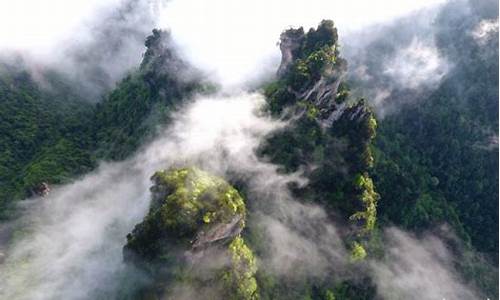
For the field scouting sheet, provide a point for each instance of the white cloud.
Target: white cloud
(234, 39)
(484, 30)
(69, 244)
(418, 64)
(29, 24)
(417, 269)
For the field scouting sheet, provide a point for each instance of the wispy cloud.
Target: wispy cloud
(418, 269)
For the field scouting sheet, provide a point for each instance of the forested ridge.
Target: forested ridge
(50, 134)
(45, 134)
(442, 149)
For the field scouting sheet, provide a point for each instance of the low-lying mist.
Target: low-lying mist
(405, 59)
(68, 245)
(93, 44)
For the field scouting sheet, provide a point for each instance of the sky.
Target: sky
(232, 39)
(238, 35)
(30, 24)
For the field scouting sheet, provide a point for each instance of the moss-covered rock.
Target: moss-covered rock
(368, 198)
(191, 237)
(330, 133)
(241, 276)
(188, 205)
(358, 252)
(196, 196)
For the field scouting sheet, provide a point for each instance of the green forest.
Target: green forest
(428, 167)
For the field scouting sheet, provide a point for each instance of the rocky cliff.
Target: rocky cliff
(190, 239)
(329, 132)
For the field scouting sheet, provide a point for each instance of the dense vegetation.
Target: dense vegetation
(194, 219)
(129, 115)
(48, 134)
(442, 150)
(44, 133)
(431, 161)
(436, 151)
(329, 138)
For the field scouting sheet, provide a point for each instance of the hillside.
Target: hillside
(45, 134)
(50, 135)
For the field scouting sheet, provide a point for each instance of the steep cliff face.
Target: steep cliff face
(161, 62)
(313, 70)
(190, 240)
(128, 116)
(328, 139)
(290, 46)
(329, 136)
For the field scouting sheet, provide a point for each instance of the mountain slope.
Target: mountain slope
(430, 163)
(436, 151)
(442, 147)
(328, 139)
(329, 135)
(129, 115)
(44, 134)
(50, 135)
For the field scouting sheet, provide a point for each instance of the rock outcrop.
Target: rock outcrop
(160, 56)
(290, 46)
(329, 133)
(191, 237)
(41, 190)
(311, 64)
(162, 63)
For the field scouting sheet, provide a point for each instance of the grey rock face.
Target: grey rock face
(290, 43)
(322, 92)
